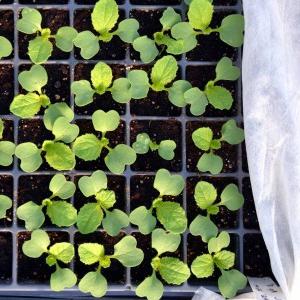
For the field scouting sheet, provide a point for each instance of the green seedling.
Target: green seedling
(5, 47)
(91, 215)
(170, 214)
(125, 251)
(89, 147)
(172, 270)
(39, 245)
(40, 48)
(143, 144)
(60, 212)
(5, 204)
(203, 139)
(7, 148)
(104, 18)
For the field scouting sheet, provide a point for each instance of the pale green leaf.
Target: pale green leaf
(62, 188)
(231, 197)
(106, 198)
(205, 194)
(166, 149)
(142, 143)
(224, 259)
(202, 138)
(121, 90)
(88, 44)
(94, 283)
(143, 218)
(37, 245)
(2, 127)
(5, 47)
(176, 92)
(197, 99)
(210, 162)
(62, 213)
(65, 37)
(30, 22)
(83, 91)
(5, 204)
(128, 30)
(26, 106)
(7, 150)
(226, 71)
(139, 84)
(200, 14)
(64, 131)
(62, 251)
(163, 241)
(105, 121)
(101, 76)
(89, 218)
(34, 79)
(219, 97)
(182, 30)
(231, 133)
(151, 288)
(204, 227)
(87, 147)
(169, 18)
(114, 221)
(62, 278)
(216, 244)
(90, 253)
(31, 214)
(91, 185)
(203, 266)
(39, 50)
(146, 47)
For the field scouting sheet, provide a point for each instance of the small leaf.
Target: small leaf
(65, 37)
(5, 48)
(37, 245)
(163, 241)
(62, 188)
(224, 259)
(62, 278)
(89, 218)
(101, 76)
(39, 50)
(30, 22)
(146, 47)
(90, 253)
(204, 227)
(62, 213)
(151, 288)
(176, 92)
(114, 221)
(231, 197)
(166, 149)
(231, 133)
(63, 252)
(88, 44)
(205, 194)
(5, 204)
(202, 138)
(182, 30)
(139, 84)
(210, 162)
(216, 244)
(203, 266)
(121, 90)
(83, 92)
(197, 99)
(169, 18)
(219, 97)
(64, 131)
(94, 283)
(200, 14)
(143, 218)
(2, 127)
(226, 71)
(128, 30)
(91, 185)
(87, 147)
(142, 143)
(106, 198)
(32, 214)
(106, 121)
(26, 106)
(7, 150)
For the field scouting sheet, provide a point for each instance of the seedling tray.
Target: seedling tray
(21, 276)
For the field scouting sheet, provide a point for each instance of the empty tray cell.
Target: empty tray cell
(225, 2)
(8, 135)
(6, 188)
(156, 2)
(5, 257)
(3, 2)
(6, 88)
(244, 158)
(7, 25)
(44, 2)
(249, 212)
(95, 1)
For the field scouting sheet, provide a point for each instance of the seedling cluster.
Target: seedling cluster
(165, 219)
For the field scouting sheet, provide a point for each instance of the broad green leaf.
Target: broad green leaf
(30, 22)
(224, 259)
(62, 188)
(34, 79)
(204, 227)
(202, 138)
(105, 15)
(143, 218)
(203, 266)
(59, 156)
(173, 271)
(32, 214)
(197, 99)
(83, 92)
(169, 18)
(7, 150)
(91, 185)
(105, 121)
(163, 72)
(210, 162)
(172, 216)
(39, 50)
(94, 283)
(62, 213)
(205, 194)
(230, 282)
(64, 131)
(231, 197)
(88, 44)
(219, 97)
(176, 92)
(90, 253)
(128, 30)
(106, 198)
(121, 90)
(119, 157)
(226, 71)
(231, 30)
(151, 288)
(146, 47)
(5, 47)
(37, 245)
(231, 133)
(5, 204)
(139, 84)
(2, 127)
(166, 149)
(142, 143)
(101, 77)
(200, 14)
(62, 278)
(89, 218)
(216, 244)
(87, 147)
(30, 156)
(62, 251)
(127, 253)
(26, 106)
(65, 37)
(163, 241)
(114, 221)
(168, 184)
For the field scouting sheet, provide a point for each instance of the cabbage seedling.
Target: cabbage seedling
(170, 214)
(58, 253)
(5, 47)
(60, 212)
(5, 204)
(7, 148)
(203, 139)
(171, 269)
(91, 215)
(125, 252)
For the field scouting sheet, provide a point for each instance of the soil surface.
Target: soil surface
(7, 25)
(6, 87)
(6, 188)
(5, 257)
(8, 135)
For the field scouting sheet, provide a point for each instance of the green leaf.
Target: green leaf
(90, 253)
(173, 271)
(5, 48)
(2, 127)
(163, 72)
(182, 30)
(26, 106)
(231, 30)
(62, 213)
(163, 241)
(224, 259)
(30, 156)
(88, 44)
(219, 97)
(143, 218)
(146, 47)
(106, 198)
(39, 50)
(210, 162)
(106, 121)
(105, 15)
(231, 197)
(168, 184)
(91, 185)
(128, 30)
(202, 138)
(127, 253)
(114, 221)
(151, 288)
(166, 149)
(231, 133)
(62, 278)
(176, 92)
(5, 204)
(172, 216)
(142, 143)
(63, 252)
(203, 266)
(169, 18)
(200, 14)
(101, 76)
(139, 84)
(37, 245)
(204, 227)
(230, 282)
(65, 37)
(32, 214)
(226, 71)
(87, 147)
(83, 92)
(121, 90)
(7, 150)
(64, 131)
(94, 283)
(119, 157)
(216, 244)
(89, 218)
(59, 156)
(30, 22)
(62, 188)
(34, 79)
(205, 194)
(197, 99)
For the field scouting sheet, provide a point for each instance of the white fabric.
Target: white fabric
(271, 95)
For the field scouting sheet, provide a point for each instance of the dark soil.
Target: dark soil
(158, 131)
(7, 25)
(6, 188)
(244, 158)
(249, 212)
(94, 1)
(156, 2)
(6, 1)
(35, 270)
(105, 101)
(8, 135)
(227, 152)
(5, 257)
(43, 1)
(6, 88)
